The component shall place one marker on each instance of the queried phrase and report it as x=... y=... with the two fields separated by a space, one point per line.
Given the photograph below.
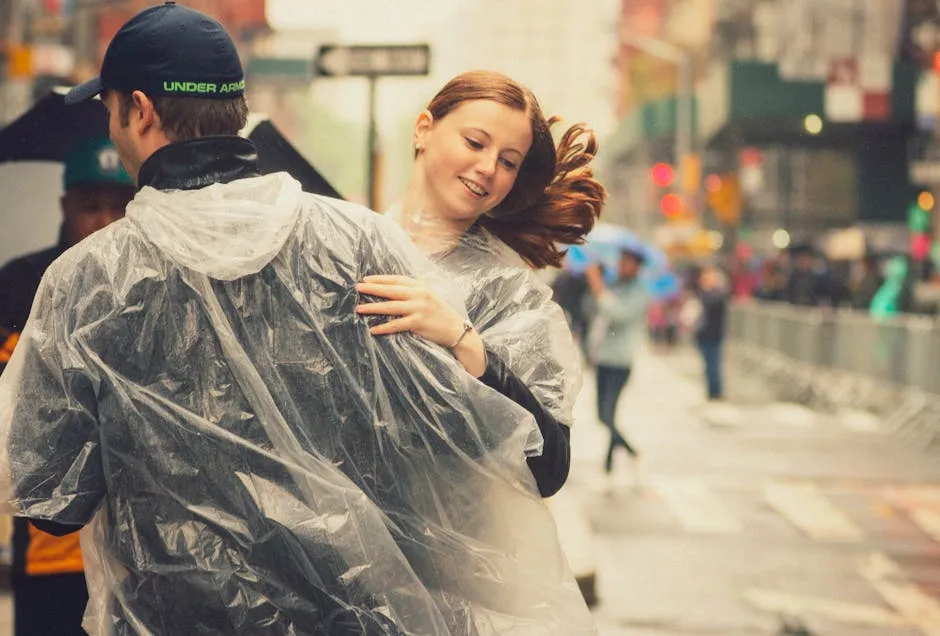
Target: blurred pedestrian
x=771 y=283
x=893 y=296
x=743 y=280
x=49 y=592
x=570 y=290
x=867 y=284
x=664 y=322
x=712 y=296
x=616 y=336
x=805 y=286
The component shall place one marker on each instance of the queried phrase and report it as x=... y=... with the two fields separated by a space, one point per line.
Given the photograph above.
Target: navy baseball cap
x=168 y=50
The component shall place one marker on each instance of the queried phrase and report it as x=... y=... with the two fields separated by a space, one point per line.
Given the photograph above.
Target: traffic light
x=926 y=201
x=662 y=174
x=918 y=214
x=672 y=205
x=724 y=197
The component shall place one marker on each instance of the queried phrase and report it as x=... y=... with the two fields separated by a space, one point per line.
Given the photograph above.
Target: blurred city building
x=804 y=119
x=563 y=51
x=48 y=42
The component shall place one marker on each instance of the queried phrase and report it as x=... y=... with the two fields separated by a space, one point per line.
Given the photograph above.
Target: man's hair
x=185 y=118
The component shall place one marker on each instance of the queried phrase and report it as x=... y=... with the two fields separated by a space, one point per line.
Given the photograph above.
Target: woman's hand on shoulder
x=418 y=309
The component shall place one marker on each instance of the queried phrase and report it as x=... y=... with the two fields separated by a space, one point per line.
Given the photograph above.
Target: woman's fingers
x=390 y=291
x=393 y=326
x=391 y=279
x=390 y=308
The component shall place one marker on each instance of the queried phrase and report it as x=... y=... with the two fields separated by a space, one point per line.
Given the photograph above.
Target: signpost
x=372 y=62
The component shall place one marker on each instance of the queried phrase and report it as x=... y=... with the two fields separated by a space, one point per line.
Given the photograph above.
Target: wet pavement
x=751 y=515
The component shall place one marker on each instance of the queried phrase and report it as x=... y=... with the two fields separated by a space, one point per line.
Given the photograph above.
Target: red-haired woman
x=490 y=199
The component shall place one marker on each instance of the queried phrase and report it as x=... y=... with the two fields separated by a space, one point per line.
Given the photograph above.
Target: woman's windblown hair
x=556 y=199
x=564 y=212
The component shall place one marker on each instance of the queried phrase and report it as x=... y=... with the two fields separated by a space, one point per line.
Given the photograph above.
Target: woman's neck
x=427 y=225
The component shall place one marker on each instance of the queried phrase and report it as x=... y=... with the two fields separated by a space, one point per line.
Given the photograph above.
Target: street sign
x=372 y=62
x=339 y=60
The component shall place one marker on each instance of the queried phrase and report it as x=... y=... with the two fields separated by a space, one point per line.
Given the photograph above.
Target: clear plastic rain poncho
x=509 y=306
x=195 y=385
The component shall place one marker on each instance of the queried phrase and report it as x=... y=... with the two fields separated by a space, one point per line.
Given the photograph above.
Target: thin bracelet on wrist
x=467 y=328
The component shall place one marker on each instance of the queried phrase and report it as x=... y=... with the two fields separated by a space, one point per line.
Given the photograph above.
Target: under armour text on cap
x=168 y=50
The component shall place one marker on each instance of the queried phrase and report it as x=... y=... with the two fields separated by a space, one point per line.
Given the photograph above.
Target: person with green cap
x=48 y=569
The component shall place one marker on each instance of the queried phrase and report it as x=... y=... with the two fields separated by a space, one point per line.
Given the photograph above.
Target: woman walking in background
x=616 y=335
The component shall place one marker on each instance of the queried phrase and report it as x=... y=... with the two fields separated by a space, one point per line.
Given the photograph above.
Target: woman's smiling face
x=471 y=157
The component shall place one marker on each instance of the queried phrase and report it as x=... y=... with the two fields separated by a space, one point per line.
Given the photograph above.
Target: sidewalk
x=752 y=512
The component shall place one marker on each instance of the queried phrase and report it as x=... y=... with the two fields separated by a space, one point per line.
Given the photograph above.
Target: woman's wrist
x=471 y=353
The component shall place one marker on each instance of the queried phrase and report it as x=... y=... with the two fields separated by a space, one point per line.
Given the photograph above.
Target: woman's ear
x=423 y=129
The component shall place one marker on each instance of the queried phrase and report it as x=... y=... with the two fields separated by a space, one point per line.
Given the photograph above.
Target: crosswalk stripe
x=927 y=520
x=807 y=508
x=792 y=415
x=695 y=507
x=918 y=608
x=782 y=603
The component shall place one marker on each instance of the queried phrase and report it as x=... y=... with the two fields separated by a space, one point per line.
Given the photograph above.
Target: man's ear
x=143 y=117
x=422 y=129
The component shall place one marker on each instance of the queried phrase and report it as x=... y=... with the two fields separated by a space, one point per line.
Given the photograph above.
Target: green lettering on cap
x=202 y=87
x=233 y=87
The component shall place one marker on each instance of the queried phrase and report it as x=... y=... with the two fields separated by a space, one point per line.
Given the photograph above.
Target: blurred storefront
x=803 y=115
x=812 y=105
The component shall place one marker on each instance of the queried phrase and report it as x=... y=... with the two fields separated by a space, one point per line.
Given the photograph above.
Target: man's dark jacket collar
x=197 y=163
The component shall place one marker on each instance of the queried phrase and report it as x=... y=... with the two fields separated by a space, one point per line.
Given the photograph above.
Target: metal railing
x=841 y=359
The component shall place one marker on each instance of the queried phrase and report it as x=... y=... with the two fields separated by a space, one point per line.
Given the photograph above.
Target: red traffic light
x=662 y=174
x=671 y=205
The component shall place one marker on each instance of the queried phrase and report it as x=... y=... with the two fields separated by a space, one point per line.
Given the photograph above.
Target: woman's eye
x=473 y=143
x=509 y=164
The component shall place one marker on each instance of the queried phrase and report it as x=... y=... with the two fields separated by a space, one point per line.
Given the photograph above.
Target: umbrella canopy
x=48 y=130
x=604 y=245
x=606 y=237
x=277 y=154
x=661 y=285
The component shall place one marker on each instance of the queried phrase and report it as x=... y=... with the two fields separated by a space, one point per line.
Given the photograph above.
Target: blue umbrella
x=608 y=238
x=661 y=285
x=578 y=259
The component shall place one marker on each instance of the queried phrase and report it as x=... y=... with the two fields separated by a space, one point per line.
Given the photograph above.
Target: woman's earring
x=418 y=147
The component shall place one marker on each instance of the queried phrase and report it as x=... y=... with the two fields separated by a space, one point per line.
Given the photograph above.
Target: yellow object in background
x=7 y=349
x=19 y=61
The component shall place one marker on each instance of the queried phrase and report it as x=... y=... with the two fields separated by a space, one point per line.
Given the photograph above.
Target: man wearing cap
x=47 y=570
x=195 y=388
